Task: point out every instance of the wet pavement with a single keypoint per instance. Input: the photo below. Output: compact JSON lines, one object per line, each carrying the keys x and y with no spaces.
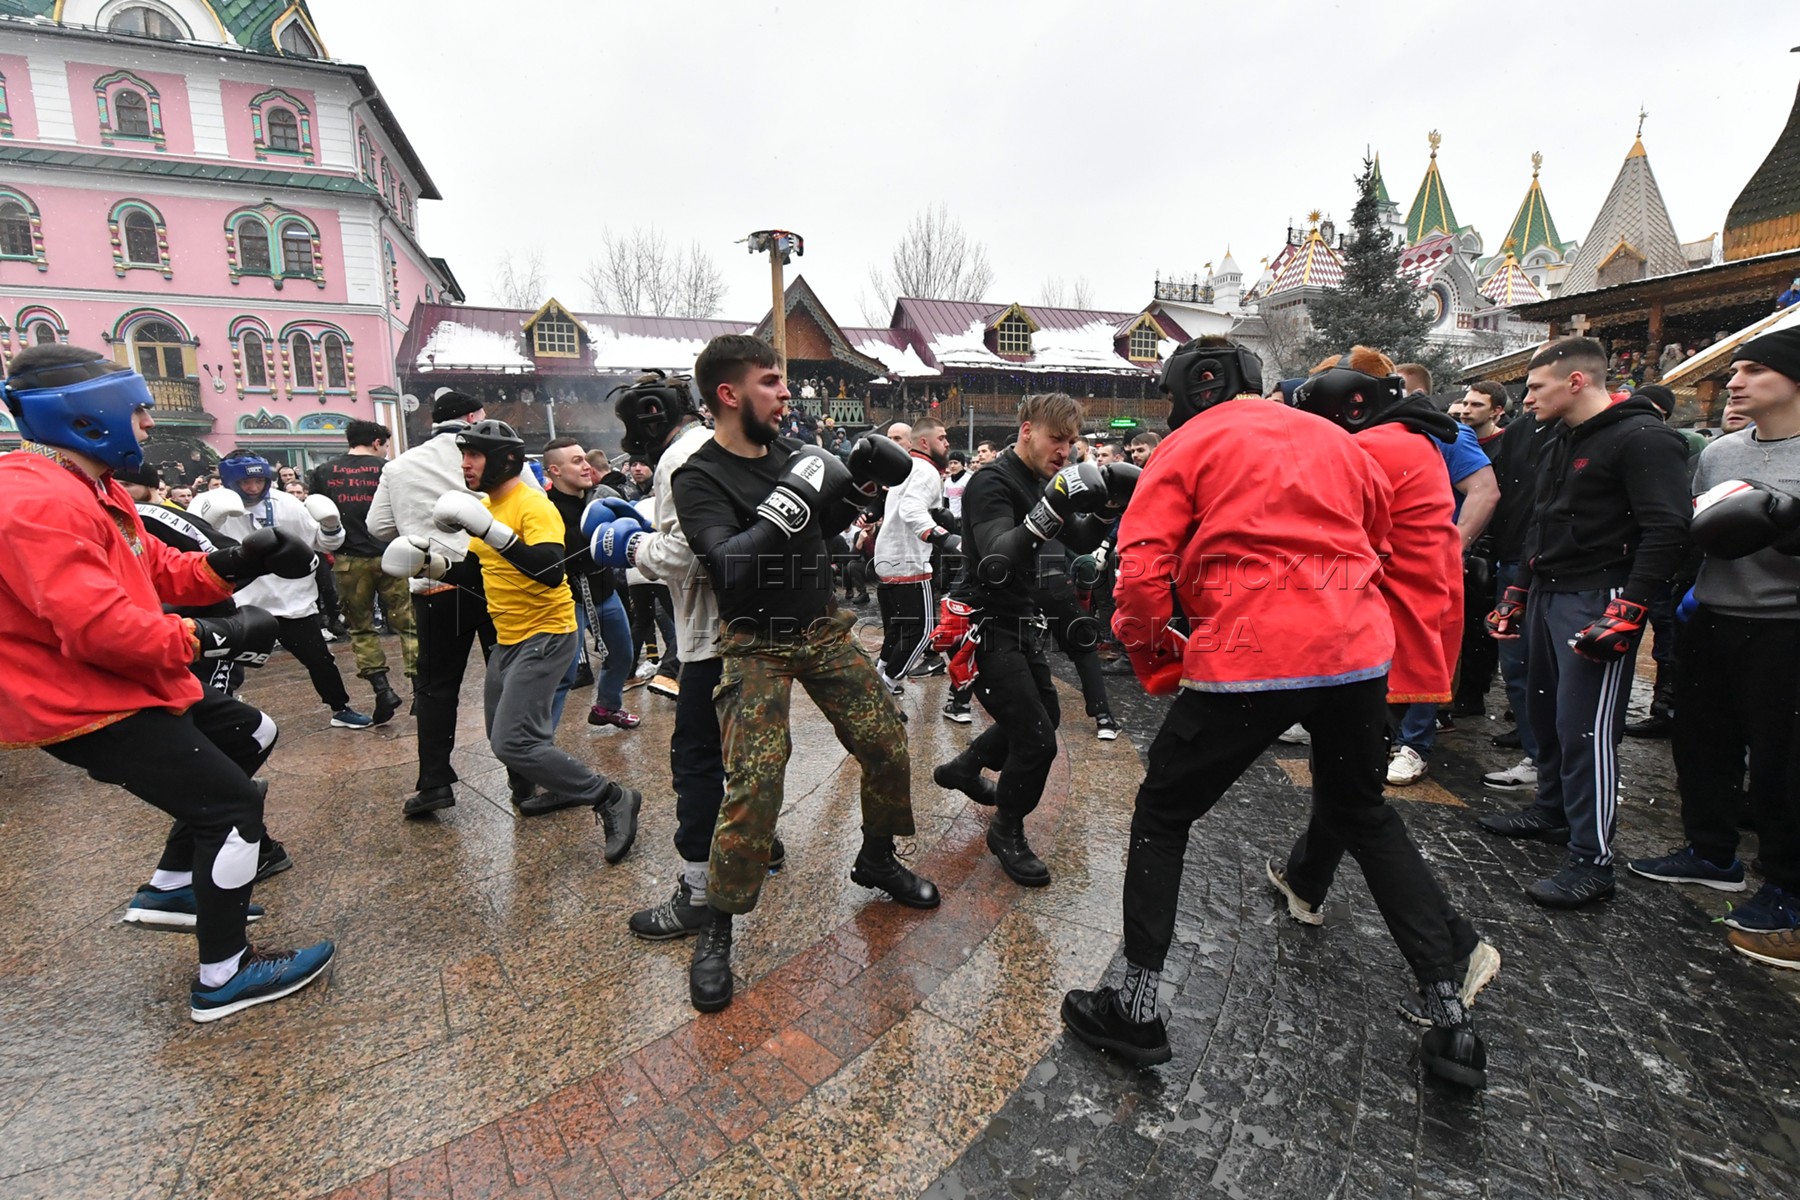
{"x":490,"y":1029}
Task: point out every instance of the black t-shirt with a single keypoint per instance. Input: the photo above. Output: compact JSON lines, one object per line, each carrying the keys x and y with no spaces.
{"x":350,"y":481}
{"x":786,"y":589}
{"x":580,"y":563}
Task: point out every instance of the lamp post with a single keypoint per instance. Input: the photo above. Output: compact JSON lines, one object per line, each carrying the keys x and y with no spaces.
{"x":781,"y":245}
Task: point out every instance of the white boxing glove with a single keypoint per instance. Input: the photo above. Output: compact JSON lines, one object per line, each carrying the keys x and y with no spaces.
{"x":460,"y":511}
{"x":324,"y":512}
{"x":216,"y":506}
{"x":413,"y":558}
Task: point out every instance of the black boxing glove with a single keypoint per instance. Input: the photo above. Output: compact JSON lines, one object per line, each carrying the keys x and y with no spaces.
{"x":813,"y":479}
{"x":1077,"y":488}
{"x":265,"y":552}
{"x":878,"y":462}
{"x":1120,"y":479}
{"x":246,"y":636}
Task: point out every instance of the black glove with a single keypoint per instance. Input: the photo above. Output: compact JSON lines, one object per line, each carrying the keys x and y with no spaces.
{"x":265,"y":552}
{"x":246,"y":636}
{"x":1077,"y":488}
{"x":813,"y":479}
{"x":1741,"y":516}
{"x":939,"y":536}
{"x":1121,"y":480}
{"x":878,"y":462}
{"x":1507,"y":621}
{"x":1613,"y":634}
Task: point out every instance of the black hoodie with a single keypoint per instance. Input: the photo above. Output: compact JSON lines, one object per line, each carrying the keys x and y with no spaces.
{"x":1612,"y":505}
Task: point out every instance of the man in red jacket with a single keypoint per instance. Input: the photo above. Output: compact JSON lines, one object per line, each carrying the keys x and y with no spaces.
{"x":97,"y":674}
{"x":1268,"y":523}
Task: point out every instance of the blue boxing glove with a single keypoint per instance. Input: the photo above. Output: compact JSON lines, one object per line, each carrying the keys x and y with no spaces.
{"x":605,"y":510}
{"x":613,"y":543}
{"x":1684,"y":612}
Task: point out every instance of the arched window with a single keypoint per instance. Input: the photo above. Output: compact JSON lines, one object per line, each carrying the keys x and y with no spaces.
{"x":301,"y":347}
{"x":256,"y":368}
{"x":366,"y":152}
{"x":15,"y":231}
{"x":335,"y":375}
{"x":284,"y":130}
{"x":296,"y":251}
{"x":147,"y":22}
{"x":253,"y":248}
{"x":156,"y":348}
{"x":141,"y":249}
{"x":43,"y":334}
{"x":131,"y":113}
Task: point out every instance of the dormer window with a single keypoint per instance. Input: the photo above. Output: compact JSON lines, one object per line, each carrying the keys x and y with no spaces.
{"x":295,"y":40}
{"x":1144,"y":339}
{"x":554,"y":337}
{"x":131,"y":114}
{"x":1013,"y":336}
{"x":144,"y":21}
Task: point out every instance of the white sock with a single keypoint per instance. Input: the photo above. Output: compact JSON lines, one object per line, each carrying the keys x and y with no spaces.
{"x":218,"y":974}
{"x":168,"y":881}
{"x":694,"y":875}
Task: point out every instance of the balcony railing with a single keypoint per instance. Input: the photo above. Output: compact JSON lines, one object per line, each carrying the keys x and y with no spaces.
{"x":176,"y":395}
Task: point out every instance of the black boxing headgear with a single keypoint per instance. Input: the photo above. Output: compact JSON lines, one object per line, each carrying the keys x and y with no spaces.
{"x":650,"y":408}
{"x":1202,"y":373}
{"x":1349,"y":398}
{"x":505,"y":451}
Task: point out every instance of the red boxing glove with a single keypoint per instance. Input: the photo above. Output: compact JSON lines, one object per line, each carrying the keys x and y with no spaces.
{"x":1613,"y":634}
{"x":1156,"y":659}
{"x":1507,"y":621}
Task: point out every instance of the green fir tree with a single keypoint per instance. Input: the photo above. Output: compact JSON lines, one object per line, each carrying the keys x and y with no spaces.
{"x":1374,"y":306}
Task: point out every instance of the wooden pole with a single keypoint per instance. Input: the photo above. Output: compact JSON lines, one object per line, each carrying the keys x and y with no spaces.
{"x":780,"y":297}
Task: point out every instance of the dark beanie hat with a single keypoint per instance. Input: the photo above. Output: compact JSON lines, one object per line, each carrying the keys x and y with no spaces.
{"x":451,"y":405}
{"x":1658,"y":395}
{"x":1779,"y":351}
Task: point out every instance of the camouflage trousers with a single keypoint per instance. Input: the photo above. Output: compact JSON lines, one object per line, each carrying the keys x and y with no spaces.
{"x":752,"y":701}
{"x":358,"y":580}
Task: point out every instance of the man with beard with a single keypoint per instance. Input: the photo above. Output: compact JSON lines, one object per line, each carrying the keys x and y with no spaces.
{"x":903,"y":554}
{"x":757,"y":510}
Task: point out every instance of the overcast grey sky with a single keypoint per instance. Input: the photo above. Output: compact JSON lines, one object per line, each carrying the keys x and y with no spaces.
{"x":1075,"y":139}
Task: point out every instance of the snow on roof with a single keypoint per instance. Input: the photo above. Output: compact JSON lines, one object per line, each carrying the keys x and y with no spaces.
{"x":615,"y":351}
{"x":901,"y":361}
{"x":1087,"y":347}
{"x":454,"y":346}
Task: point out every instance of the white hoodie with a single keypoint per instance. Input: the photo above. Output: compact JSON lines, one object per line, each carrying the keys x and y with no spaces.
{"x":902,"y":554}
{"x":665,"y":557}
{"x":286,"y":598}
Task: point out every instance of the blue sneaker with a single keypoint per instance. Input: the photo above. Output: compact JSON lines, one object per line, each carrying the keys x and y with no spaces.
{"x":1687,"y":866}
{"x":1771,"y":910}
{"x":349,"y":718}
{"x":171,"y":909}
{"x":261,"y":976}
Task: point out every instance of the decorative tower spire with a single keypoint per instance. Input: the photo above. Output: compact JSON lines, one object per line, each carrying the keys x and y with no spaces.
{"x":1532,"y":227}
{"x":1431,"y":212}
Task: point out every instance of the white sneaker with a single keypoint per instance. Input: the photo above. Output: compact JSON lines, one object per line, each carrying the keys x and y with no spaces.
{"x":1405,"y":767}
{"x":1514,"y":779}
{"x":892,"y":685}
{"x":1296,"y":735}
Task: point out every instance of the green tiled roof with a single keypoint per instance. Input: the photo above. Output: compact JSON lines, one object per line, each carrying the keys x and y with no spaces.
{"x":250,"y":22}
{"x":1381,"y":192}
{"x":1431,"y":212}
{"x":164,"y":168}
{"x":1532,"y":227}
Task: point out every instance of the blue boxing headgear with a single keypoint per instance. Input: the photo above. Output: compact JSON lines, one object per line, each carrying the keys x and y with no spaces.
{"x":239,"y":467}
{"x":86,"y":407}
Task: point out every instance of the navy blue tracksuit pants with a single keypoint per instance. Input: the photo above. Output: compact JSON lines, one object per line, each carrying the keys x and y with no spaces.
{"x":1577,"y":711}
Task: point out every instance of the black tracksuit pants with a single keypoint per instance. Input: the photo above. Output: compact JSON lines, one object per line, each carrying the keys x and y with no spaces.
{"x":305,"y":640}
{"x":197,"y":767}
{"x":448,"y":622}
{"x":1078,"y":636}
{"x":1016,"y":689}
{"x":1209,"y":739}
{"x":1735,"y":694}
{"x":697,"y":759}
{"x":908,"y":615}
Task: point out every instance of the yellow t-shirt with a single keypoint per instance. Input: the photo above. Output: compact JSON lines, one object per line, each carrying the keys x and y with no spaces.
{"x":520,"y":605}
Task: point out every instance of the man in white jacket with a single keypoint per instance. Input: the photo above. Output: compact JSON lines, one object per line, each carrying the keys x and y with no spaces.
{"x":294,"y":603}
{"x":662,"y":423}
{"x":450,"y":611}
{"x":903,"y":554}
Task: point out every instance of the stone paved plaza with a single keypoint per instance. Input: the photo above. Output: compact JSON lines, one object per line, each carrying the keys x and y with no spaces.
{"x":490,"y":1029}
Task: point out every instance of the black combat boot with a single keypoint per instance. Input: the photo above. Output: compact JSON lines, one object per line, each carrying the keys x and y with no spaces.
{"x":878,"y":867}
{"x":1006,"y":838}
{"x":387,"y":700}
{"x":709,"y":974}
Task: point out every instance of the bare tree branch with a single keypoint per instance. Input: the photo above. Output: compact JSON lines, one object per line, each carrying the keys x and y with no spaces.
{"x":638,"y":274}
{"x":520,"y":282}
{"x":1055,"y":293}
{"x":935,"y":259}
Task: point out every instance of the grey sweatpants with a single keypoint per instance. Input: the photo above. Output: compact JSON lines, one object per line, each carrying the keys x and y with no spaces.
{"x":520,"y":689}
{"x":1577,"y":711}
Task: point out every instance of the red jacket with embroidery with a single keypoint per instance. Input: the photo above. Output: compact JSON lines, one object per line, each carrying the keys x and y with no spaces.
{"x":1422,"y":579}
{"x":1269,"y":523}
{"x":81,"y":593}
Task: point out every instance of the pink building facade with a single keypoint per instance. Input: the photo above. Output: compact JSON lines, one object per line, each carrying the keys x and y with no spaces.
{"x":198,"y":191}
